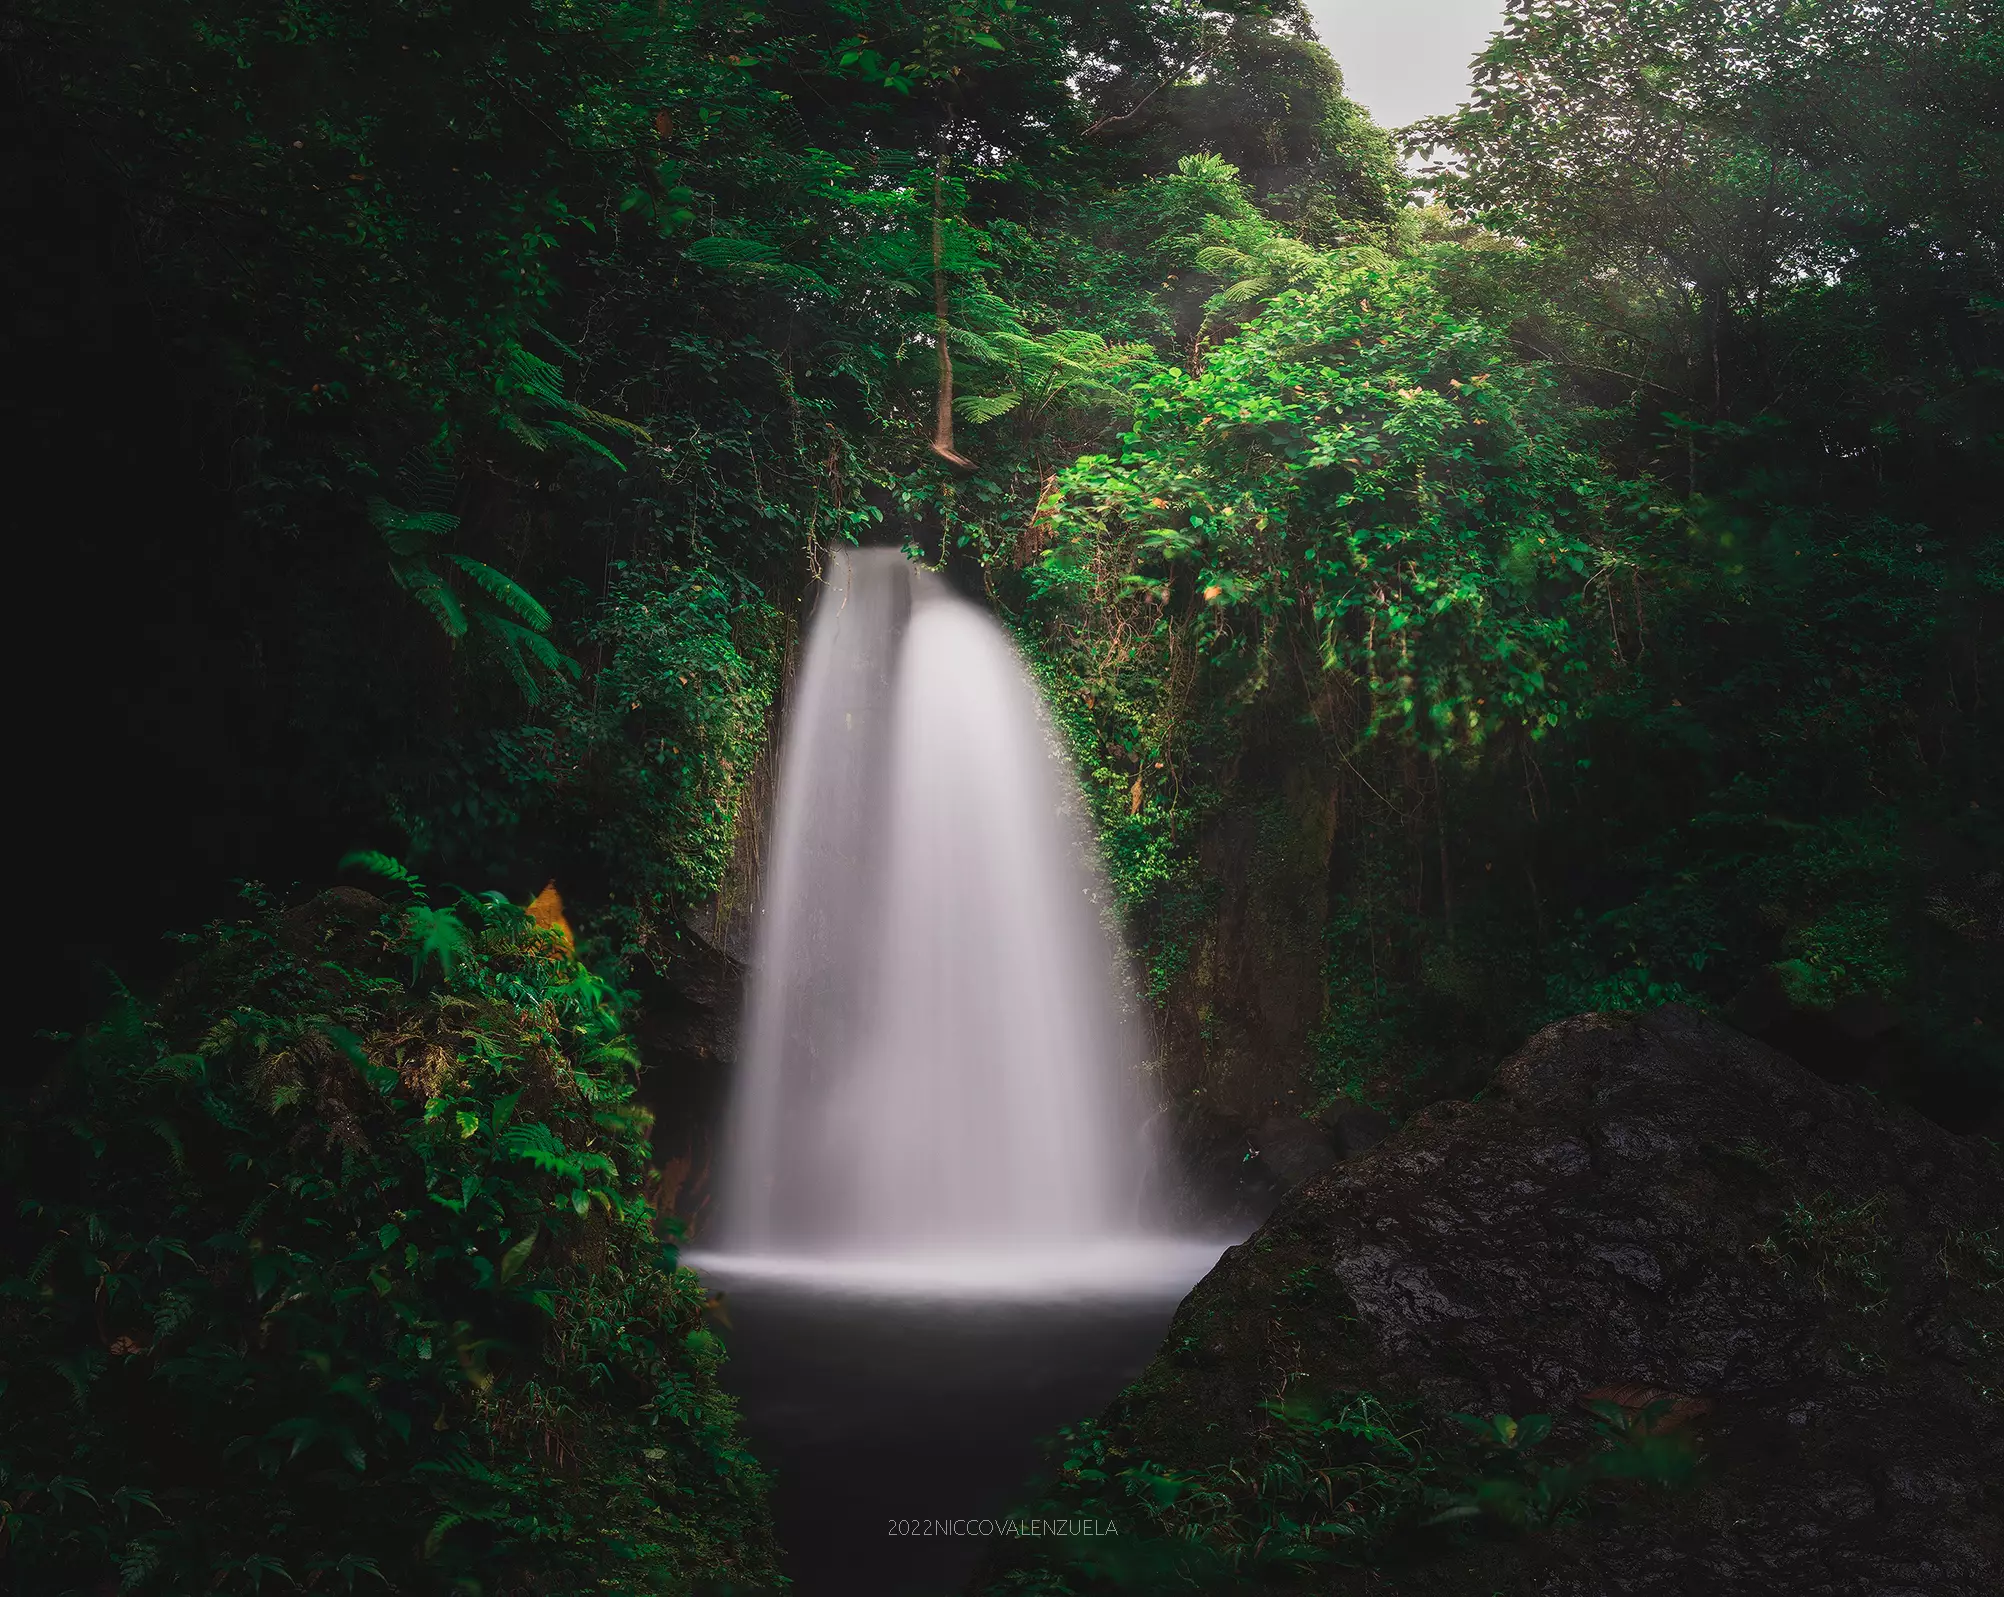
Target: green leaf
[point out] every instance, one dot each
(437, 935)
(429, 588)
(517, 1256)
(409, 533)
(375, 863)
(732, 254)
(978, 408)
(505, 591)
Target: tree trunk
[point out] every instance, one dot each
(942, 423)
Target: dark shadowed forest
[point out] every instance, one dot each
(1548, 559)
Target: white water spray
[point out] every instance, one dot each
(939, 1078)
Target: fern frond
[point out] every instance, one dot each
(519, 647)
(981, 346)
(1075, 347)
(430, 589)
(1221, 260)
(166, 1132)
(408, 532)
(564, 429)
(503, 631)
(978, 408)
(377, 863)
(1245, 289)
(427, 479)
(391, 869)
(532, 374)
(549, 656)
(732, 254)
(437, 934)
(504, 591)
(557, 343)
(618, 422)
(522, 430)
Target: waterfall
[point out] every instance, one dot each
(939, 1073)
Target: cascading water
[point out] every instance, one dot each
(932, 1224)
(938, 1087)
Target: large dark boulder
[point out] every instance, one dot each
(1794, 1285)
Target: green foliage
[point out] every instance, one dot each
(1365, 476)
(1767, 232)
(635, 782)
(1329, 1485)
(1842, 1248)
(517, 296)
(1973, 1262)
(1357, 539)
(1350, 1483)
(1607, 550)
(1512, 1487)
(339, 1256)
(1581, 592)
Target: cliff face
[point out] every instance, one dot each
(1788, 1292)
(1237, 1030)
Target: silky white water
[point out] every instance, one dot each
(939, 1079)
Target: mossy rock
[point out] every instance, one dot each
(1662, 1312)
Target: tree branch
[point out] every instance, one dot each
(1131, 111)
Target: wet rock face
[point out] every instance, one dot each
(1659, 1204)
(1294, 1149)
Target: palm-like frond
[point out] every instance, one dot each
(409, 532)
(978, 408)
(522, 649)
(424, 583)
(504, 591)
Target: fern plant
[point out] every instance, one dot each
(334, 1272)
(491, 604)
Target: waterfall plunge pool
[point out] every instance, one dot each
(902, 1395)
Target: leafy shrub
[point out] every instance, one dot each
(632, 781)
(1348, 1483)
(334, 1271)
(1329, 1483)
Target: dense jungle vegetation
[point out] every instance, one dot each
(1545, 560)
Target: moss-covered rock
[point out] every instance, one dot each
(1714, 1325)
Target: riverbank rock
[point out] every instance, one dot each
(1652, 1226)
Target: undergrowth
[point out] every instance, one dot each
(334, 1273)
(1347, 1482)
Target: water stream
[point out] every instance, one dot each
(935, 1222)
